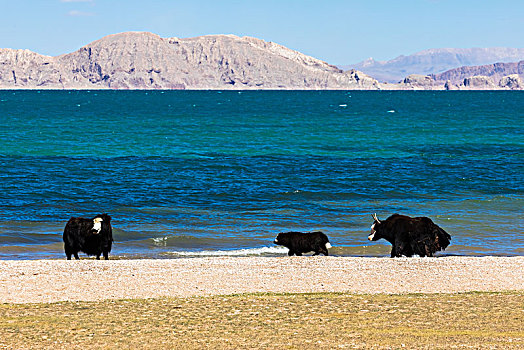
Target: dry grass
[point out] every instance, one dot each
(273, 321)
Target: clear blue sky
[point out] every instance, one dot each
(336, 31)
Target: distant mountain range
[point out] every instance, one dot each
(435, 61)
(495, 72)
(141, 60)
(507, 76)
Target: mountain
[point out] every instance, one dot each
(435, 61)
(141, 60)
(495, 72)
(505, 76)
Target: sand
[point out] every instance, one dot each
(37, 281)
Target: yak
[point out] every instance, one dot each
(304, 242)
(410, 236)
(91, 236)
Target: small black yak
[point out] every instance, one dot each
(91, 236)
(410, 236)
(304, 242)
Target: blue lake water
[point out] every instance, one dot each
(192, 173)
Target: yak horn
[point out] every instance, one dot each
(375, 217)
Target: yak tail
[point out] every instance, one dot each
(443, 238)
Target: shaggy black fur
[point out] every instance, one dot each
(410, 236)
(79, 235)
(303, 242)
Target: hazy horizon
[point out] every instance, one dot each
(338, 32)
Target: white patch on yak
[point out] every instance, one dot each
(276, 240)
(97, 225)
(328, 245)
(370, 237)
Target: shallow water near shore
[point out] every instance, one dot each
(210, 173)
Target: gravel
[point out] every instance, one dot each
(37, 281)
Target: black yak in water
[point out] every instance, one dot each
(304, 242)
(91, 236)
(410, 236)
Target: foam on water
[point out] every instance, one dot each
(235, 252)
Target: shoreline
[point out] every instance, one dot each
(49, 281)
(384, 87)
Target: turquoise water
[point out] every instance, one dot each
(190, 173)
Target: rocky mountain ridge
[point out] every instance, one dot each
(141, 60)
(495, 72)
(435, 61)
(506, 76)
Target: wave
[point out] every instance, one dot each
(373, 250)
(268, 251)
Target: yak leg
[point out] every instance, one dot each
(106, 255)
(396, 251)
(290, 253)
(76, 256)
(430, 249)
(299, 254)
(323, 251)
(393, 251)
(400, 248)
(98, 257)
(68, 252)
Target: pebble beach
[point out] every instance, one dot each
(48, 281)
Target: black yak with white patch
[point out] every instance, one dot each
(410, 236)
(304, 242)
(91, 236)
